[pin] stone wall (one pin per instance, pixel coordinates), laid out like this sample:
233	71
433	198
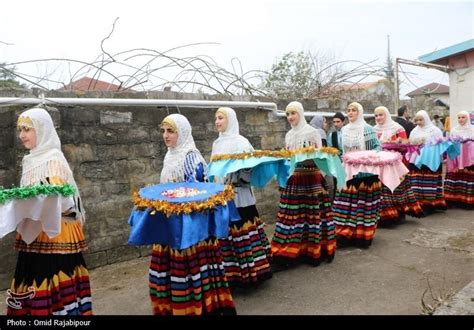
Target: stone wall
115	150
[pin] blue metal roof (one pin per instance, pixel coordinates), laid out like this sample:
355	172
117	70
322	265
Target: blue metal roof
448	51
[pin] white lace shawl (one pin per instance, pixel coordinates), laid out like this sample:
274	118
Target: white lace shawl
466	130
46	160
389	128
422	134
175	159
302	134
230	141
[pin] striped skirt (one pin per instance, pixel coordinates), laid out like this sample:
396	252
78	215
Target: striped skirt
428	187
246	252
304	225
50	284
190	281
402	201
459	188
356	211
51	276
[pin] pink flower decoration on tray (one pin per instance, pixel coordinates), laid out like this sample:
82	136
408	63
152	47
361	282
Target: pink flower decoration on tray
182	192
373	159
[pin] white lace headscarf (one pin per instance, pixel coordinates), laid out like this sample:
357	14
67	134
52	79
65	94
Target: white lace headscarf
466	130
422	134
46	160
302	134
230	141
174	162
353	138
389	128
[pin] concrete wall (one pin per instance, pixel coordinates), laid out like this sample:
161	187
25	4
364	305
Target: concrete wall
461	87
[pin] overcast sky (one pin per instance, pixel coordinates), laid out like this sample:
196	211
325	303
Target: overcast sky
257	32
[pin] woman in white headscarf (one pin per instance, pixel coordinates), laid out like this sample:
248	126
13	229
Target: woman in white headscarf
361	193
357	135
464	128
304	227
183	162
402	201
459	179
51	276
246	252
425	129
427	184
386	129
188	281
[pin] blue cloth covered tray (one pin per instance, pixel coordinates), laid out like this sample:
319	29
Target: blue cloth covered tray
264	169
431	154
181	230
327	162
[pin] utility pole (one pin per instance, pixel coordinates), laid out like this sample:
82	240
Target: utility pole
415	63
397	88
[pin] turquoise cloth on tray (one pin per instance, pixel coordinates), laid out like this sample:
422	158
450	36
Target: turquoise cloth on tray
431	154
328	163
264	169
181	231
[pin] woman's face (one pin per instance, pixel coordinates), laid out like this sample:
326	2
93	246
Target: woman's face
293	117
420	121
221	122
380	117
27	136
462	119
170	136
325	124
352	113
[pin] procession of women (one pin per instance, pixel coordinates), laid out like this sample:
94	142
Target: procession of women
202	220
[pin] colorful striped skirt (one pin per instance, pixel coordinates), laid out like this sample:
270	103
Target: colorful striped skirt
190	281
51	276
428	187
304	225
246	252
50	284
459	188
396	204
356	211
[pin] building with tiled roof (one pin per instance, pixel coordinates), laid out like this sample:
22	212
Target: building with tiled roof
89	84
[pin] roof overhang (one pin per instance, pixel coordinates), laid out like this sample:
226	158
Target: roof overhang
447	52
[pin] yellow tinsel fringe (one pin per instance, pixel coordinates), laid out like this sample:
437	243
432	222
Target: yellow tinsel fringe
272	153
257	154
173	208
310	149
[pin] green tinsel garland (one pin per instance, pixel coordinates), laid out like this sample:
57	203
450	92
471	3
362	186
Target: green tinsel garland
32	191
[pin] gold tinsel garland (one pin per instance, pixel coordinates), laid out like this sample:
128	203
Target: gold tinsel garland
273	153
311	149
257	154
169	208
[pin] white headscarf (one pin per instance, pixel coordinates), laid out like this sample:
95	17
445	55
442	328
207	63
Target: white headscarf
230	141
466	130
420	135
174	162
353	138
389	128
302	134
46	160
